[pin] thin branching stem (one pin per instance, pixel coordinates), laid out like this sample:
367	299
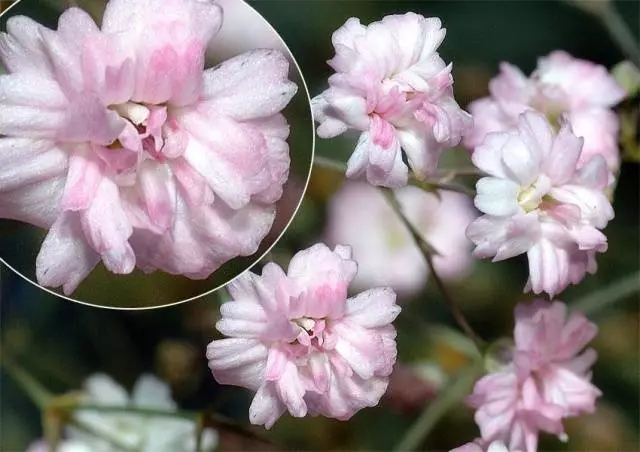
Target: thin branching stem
428	252
441	180
620	33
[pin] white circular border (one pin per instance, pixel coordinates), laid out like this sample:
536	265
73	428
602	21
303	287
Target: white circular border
258	259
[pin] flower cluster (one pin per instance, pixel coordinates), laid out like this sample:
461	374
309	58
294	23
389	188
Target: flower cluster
392	85
301	344
561	85
120	143
538	200
547	380
99	431
385	249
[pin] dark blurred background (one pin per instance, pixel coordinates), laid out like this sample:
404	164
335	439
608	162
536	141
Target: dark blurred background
61	342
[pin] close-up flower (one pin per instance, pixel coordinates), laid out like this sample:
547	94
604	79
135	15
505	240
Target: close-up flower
383	247
537	200
119	142
391	84
298	341
583	91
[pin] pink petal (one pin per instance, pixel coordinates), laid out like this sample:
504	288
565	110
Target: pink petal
108	229
373	308
65	258
25	161
251	85
266	406
158	192
83	179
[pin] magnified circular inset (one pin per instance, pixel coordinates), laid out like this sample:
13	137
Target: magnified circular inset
151	158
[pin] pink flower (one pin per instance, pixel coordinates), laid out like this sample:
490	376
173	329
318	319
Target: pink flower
538	201
511	409
387	254
480	446
301	344
549	344
548	380
391	84
579	89
130	153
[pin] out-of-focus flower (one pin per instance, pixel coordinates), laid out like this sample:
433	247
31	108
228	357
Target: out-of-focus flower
391	84
582	91
66	445
627	75
385	251
538	201
112	432
130	153
479	446
301	344
547	381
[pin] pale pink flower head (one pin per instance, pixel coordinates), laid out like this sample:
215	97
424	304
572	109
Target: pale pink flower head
481	446
510	408
130	153
538	200
550	343
392	85
547	381
561	85
301	344
387	254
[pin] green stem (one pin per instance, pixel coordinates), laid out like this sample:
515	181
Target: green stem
32	387
329	164
428	252
440	181
448	398
621	34
619	290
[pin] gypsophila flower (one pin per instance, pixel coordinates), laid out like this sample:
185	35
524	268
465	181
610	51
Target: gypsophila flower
66	445
117	431
383	247
130	153
561	84
548	380
480	446
301	344
537	201
391	84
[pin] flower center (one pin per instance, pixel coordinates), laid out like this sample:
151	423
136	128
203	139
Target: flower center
146	128
530	197
313	334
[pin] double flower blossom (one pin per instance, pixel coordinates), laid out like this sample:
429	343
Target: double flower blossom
130	153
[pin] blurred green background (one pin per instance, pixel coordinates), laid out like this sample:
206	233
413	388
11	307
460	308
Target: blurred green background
61	342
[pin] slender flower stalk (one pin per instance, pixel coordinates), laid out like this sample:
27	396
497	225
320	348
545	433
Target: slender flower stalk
428	251
439	180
